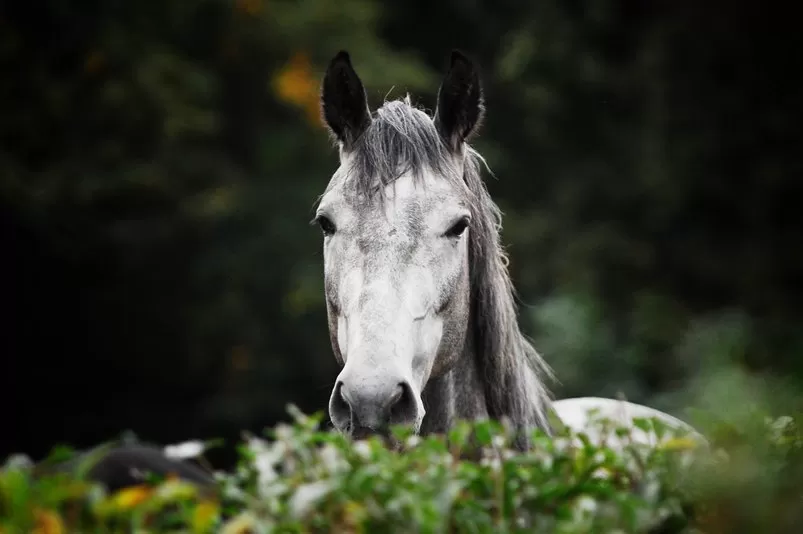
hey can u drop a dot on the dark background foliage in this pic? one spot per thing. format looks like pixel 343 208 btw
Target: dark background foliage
pixel 159 162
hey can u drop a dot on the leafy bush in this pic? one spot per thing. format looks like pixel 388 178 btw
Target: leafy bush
pixel 302 479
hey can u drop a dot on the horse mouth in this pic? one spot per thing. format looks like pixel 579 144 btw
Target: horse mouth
pixel 359 432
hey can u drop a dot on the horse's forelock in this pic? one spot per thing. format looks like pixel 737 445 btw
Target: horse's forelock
pixel 400 140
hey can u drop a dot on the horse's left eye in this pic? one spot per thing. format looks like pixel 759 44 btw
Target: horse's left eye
pixel 458 228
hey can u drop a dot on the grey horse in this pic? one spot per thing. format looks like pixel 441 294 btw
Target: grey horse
pixel 420 304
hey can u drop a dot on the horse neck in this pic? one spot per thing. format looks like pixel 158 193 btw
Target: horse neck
pixel 462 394
pixel 456 394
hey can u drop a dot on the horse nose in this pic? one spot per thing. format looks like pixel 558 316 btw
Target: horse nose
pixel 372 407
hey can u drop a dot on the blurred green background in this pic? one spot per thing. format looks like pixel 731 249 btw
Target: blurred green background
pixel 159 163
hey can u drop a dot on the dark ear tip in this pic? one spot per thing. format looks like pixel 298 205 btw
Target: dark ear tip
pixel 457 57
pixel 342 56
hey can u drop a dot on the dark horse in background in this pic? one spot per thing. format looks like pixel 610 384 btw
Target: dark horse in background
pixel 421 309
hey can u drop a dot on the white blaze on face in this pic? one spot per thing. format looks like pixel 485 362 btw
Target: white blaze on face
pixel 389 268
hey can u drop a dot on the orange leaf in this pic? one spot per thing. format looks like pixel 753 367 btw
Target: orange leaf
pixel 48 522
pixel 297 84
pixel 131 497
pixel 204 516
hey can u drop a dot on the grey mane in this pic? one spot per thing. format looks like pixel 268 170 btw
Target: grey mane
pixel 403 139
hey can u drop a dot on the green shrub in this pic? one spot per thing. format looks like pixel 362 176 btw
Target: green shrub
pixel 302 479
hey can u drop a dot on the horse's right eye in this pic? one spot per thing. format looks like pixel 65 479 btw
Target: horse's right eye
pixel 326 224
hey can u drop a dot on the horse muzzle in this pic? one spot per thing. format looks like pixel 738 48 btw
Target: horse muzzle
pixel 362 406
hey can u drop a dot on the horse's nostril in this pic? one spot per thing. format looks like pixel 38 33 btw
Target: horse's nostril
pixel 396 395
pixel 403 409
pixel 340 395
pixel 339 407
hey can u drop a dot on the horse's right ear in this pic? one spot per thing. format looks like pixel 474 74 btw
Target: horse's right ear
pixel 343 101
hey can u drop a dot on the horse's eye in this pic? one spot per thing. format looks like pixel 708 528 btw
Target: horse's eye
pixel 326 224
pixel 458 228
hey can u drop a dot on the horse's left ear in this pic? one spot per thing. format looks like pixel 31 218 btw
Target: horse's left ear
pixel 461 107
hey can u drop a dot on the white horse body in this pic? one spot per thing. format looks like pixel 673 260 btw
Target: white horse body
pixel 580 413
